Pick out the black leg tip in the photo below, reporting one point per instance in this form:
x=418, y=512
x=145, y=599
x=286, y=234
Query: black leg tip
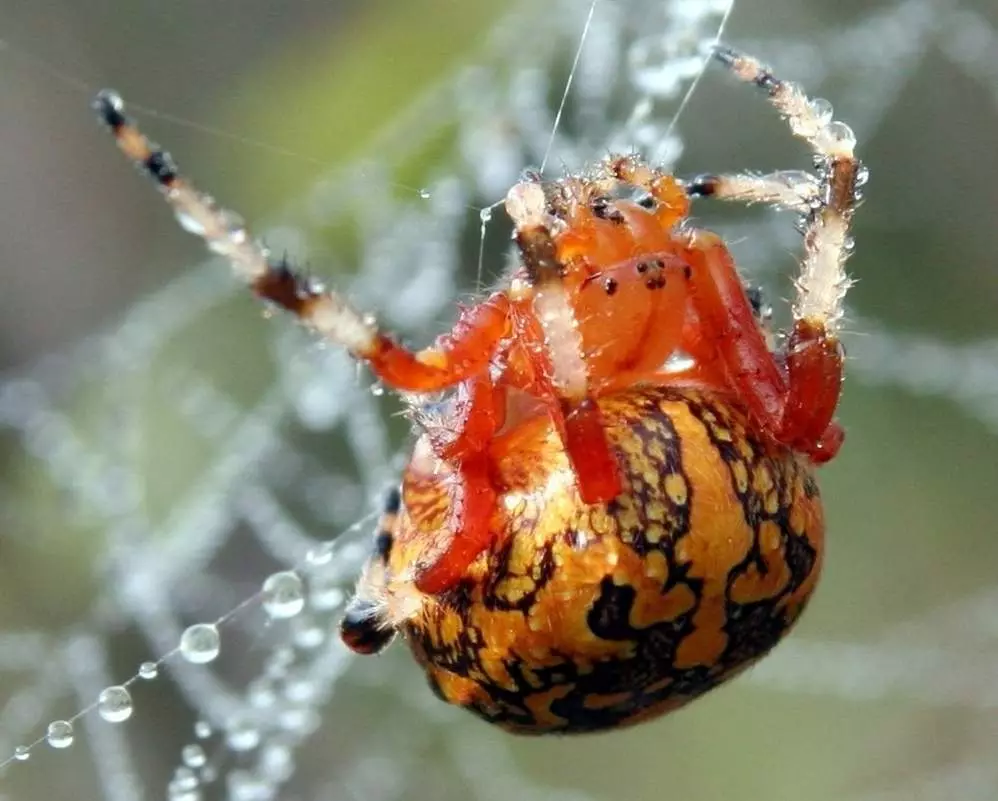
x=726, y=55
x=109, y=107
x=702, y=185
x=362, y=629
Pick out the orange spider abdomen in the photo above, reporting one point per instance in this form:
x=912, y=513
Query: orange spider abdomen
x=580, y=618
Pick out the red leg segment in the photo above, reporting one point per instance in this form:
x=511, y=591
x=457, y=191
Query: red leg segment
x=464, y=351
x=724, y=309
x=473, y=495
x=814, y=375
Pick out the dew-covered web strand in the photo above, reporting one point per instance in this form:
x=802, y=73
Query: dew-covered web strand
x=281, y=596
x=707, y=57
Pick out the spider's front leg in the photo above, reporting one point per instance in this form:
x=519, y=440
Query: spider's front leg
x=462, y=355
x=464, y=351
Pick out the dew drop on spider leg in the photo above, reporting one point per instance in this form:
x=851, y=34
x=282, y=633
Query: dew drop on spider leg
x=283, y=595
x=235, y=233
x=839, y=136
x=22, y=753
x=822, y=110
x=189, y=223
x=200, y=643
x=425, y=194
x=59, y=734
x=148, y=671
x=114, y=704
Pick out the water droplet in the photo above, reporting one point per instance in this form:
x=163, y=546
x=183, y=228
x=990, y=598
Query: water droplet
x=59, y=734
x=377, y=389
x=862, y=176
x=148, y=670
x=199, y=644
x=425, y=194
x=184, y=779
x=325, y=593
x=242, y=735
x=822, y=110
x=22, y=753
x=485, y=215
x=193, y=755
x=841, y=136
x=190, y=224
x=321, y=554
x=261, y=694
x=299, y=720
x=114, y=704
x=283, y=594
x=308, y=634
x=276, y=763
x=202, y=729
x=244, y=786
x=300, y=690
x=184, y=786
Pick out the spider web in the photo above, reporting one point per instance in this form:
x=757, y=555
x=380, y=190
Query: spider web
x=192, y=479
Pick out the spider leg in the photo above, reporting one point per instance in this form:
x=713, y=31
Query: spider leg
x=366, y=627
x=797, y=403
x=576, y=411
x=472, y=501
x=822, y=283
x=795, y=190
x=814, y=354
x=464, y=351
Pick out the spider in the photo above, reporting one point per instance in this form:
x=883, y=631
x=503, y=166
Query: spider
x=613, y=508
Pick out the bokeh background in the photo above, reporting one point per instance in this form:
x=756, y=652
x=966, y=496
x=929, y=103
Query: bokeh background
x=164, y=447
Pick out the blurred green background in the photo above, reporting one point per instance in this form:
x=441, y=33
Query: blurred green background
x=885, y=691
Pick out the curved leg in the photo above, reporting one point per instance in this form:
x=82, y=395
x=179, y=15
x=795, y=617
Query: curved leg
x=464, y=446
x=472, y=501
x=462, y=352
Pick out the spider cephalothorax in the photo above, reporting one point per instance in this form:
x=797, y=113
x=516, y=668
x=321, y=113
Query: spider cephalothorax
x=613, y=509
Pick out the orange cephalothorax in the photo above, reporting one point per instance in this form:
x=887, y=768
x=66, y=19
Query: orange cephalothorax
x=610, y=508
